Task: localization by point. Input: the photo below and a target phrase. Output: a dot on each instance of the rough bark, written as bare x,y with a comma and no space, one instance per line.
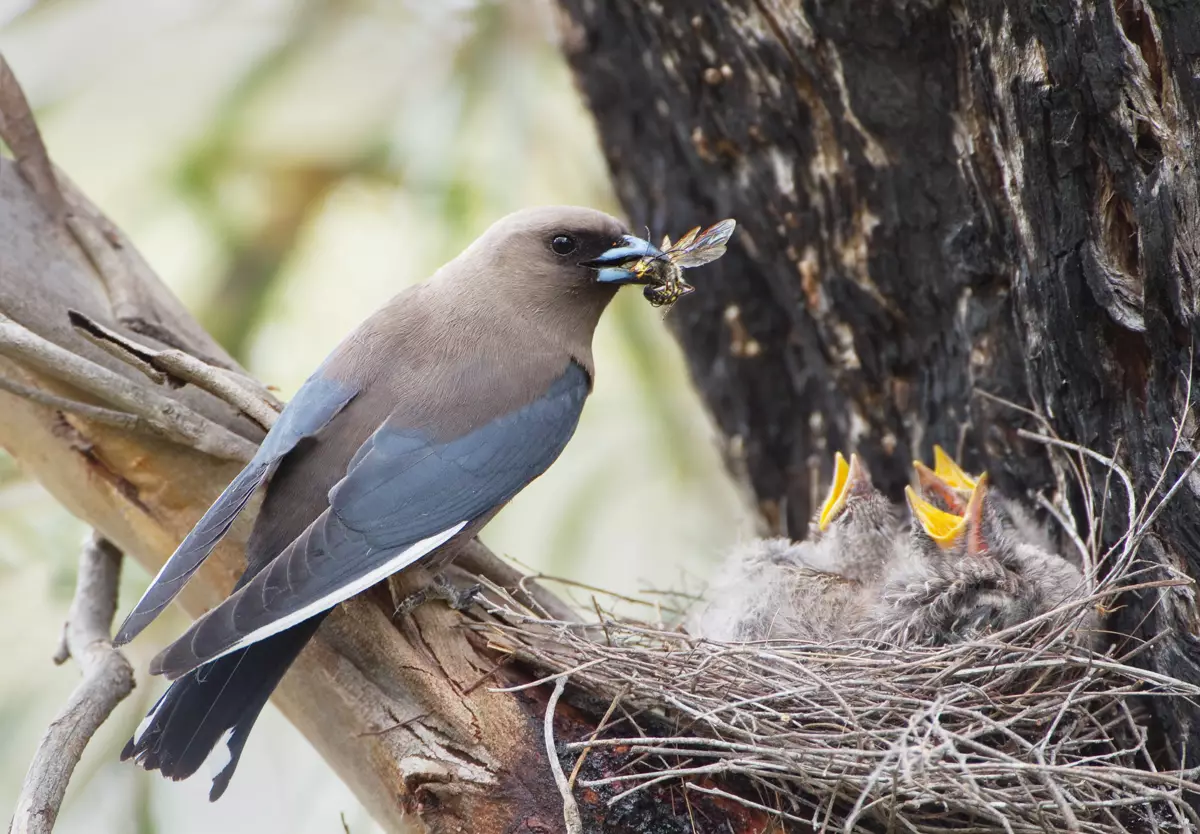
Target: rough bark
934,199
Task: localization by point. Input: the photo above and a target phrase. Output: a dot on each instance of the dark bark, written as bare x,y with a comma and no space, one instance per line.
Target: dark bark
934,199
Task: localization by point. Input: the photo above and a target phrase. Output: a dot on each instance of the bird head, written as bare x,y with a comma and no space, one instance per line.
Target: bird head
946,486
559,265
976,531
855,528
935,525
851,488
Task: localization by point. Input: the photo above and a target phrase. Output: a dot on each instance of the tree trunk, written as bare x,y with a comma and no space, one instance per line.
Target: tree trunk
936,200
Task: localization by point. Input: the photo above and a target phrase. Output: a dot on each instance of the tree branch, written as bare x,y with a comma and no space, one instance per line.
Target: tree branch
177,368
167,416
107,680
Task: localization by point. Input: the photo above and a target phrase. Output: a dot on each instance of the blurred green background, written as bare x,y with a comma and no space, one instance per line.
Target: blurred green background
286,167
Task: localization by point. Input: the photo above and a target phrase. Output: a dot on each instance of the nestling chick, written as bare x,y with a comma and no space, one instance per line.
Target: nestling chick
948,487
966,576
813,590
765,591
855,529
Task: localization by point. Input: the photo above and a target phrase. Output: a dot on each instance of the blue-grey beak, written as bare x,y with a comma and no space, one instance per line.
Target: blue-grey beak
611,266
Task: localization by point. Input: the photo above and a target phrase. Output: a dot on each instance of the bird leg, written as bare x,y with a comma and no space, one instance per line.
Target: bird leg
439,588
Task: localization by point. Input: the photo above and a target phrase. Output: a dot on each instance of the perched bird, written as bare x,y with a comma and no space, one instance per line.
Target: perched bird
964,576
416,430
812,590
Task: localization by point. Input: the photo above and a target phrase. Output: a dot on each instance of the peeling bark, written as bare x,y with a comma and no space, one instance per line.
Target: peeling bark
934,199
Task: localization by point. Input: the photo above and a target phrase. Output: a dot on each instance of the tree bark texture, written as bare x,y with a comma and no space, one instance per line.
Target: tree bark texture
934,199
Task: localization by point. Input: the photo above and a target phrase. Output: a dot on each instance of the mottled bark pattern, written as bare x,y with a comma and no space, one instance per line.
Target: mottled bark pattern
933,199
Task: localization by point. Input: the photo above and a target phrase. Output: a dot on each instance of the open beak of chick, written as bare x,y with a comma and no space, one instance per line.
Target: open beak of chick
947,486
950,530
849,479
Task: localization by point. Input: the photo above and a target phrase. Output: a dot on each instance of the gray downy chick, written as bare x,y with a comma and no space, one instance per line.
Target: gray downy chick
811,590
948,487
964,577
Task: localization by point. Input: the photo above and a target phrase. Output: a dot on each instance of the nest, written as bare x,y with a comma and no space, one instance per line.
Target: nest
1020,732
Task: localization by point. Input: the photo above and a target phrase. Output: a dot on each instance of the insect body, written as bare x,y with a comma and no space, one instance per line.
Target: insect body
664,273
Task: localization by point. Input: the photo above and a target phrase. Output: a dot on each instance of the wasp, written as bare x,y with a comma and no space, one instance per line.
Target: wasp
663,272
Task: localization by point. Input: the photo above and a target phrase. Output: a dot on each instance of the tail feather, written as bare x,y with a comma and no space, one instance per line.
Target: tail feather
215,706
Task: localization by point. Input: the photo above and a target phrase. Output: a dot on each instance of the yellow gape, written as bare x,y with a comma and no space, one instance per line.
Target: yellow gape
950,472
943,527
837,493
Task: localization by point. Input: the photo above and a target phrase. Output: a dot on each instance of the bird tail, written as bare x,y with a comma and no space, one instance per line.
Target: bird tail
215,706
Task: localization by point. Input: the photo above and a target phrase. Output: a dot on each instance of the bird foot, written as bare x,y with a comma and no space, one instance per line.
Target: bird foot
440,588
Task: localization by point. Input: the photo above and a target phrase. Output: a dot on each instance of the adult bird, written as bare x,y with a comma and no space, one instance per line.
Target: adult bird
413,433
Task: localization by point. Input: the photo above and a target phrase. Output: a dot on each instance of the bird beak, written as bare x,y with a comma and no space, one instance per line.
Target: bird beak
848,479
977,539
944,528
932,486
950,472
614,266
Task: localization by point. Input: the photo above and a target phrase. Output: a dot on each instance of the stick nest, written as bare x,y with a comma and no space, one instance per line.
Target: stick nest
1020,732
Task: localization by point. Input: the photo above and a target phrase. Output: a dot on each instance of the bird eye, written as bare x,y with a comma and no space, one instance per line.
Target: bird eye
563,245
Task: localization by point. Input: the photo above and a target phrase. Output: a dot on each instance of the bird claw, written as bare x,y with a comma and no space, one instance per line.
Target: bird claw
440,588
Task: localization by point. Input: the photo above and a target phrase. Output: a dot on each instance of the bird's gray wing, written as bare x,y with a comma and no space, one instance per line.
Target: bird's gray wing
404,495
317,402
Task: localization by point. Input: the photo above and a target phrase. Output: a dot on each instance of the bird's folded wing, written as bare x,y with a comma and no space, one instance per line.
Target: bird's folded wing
404,495
317,402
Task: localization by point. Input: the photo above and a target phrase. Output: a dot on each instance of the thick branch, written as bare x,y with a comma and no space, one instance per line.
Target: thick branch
107,680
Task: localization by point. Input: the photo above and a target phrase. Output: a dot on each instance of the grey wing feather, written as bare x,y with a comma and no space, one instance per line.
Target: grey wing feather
317,402
403,496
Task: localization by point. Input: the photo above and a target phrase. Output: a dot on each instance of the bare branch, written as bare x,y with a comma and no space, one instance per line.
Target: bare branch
107,416
172,418
179,368
571,816
19,131
107,680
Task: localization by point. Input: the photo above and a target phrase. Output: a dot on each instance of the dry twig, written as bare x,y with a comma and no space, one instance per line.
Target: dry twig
570,809
107,680
168,417
179,368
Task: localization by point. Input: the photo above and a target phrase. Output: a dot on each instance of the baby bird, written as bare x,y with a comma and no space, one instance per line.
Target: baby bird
855,529
812,590
948,487
766,591
964,576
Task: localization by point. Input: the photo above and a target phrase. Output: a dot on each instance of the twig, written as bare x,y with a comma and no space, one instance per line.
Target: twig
19,131
571,818
173,419
599,729
99,414
107,680
478,559
179,368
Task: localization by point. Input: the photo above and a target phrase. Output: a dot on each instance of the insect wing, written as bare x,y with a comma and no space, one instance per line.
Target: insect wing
684,242
704,248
